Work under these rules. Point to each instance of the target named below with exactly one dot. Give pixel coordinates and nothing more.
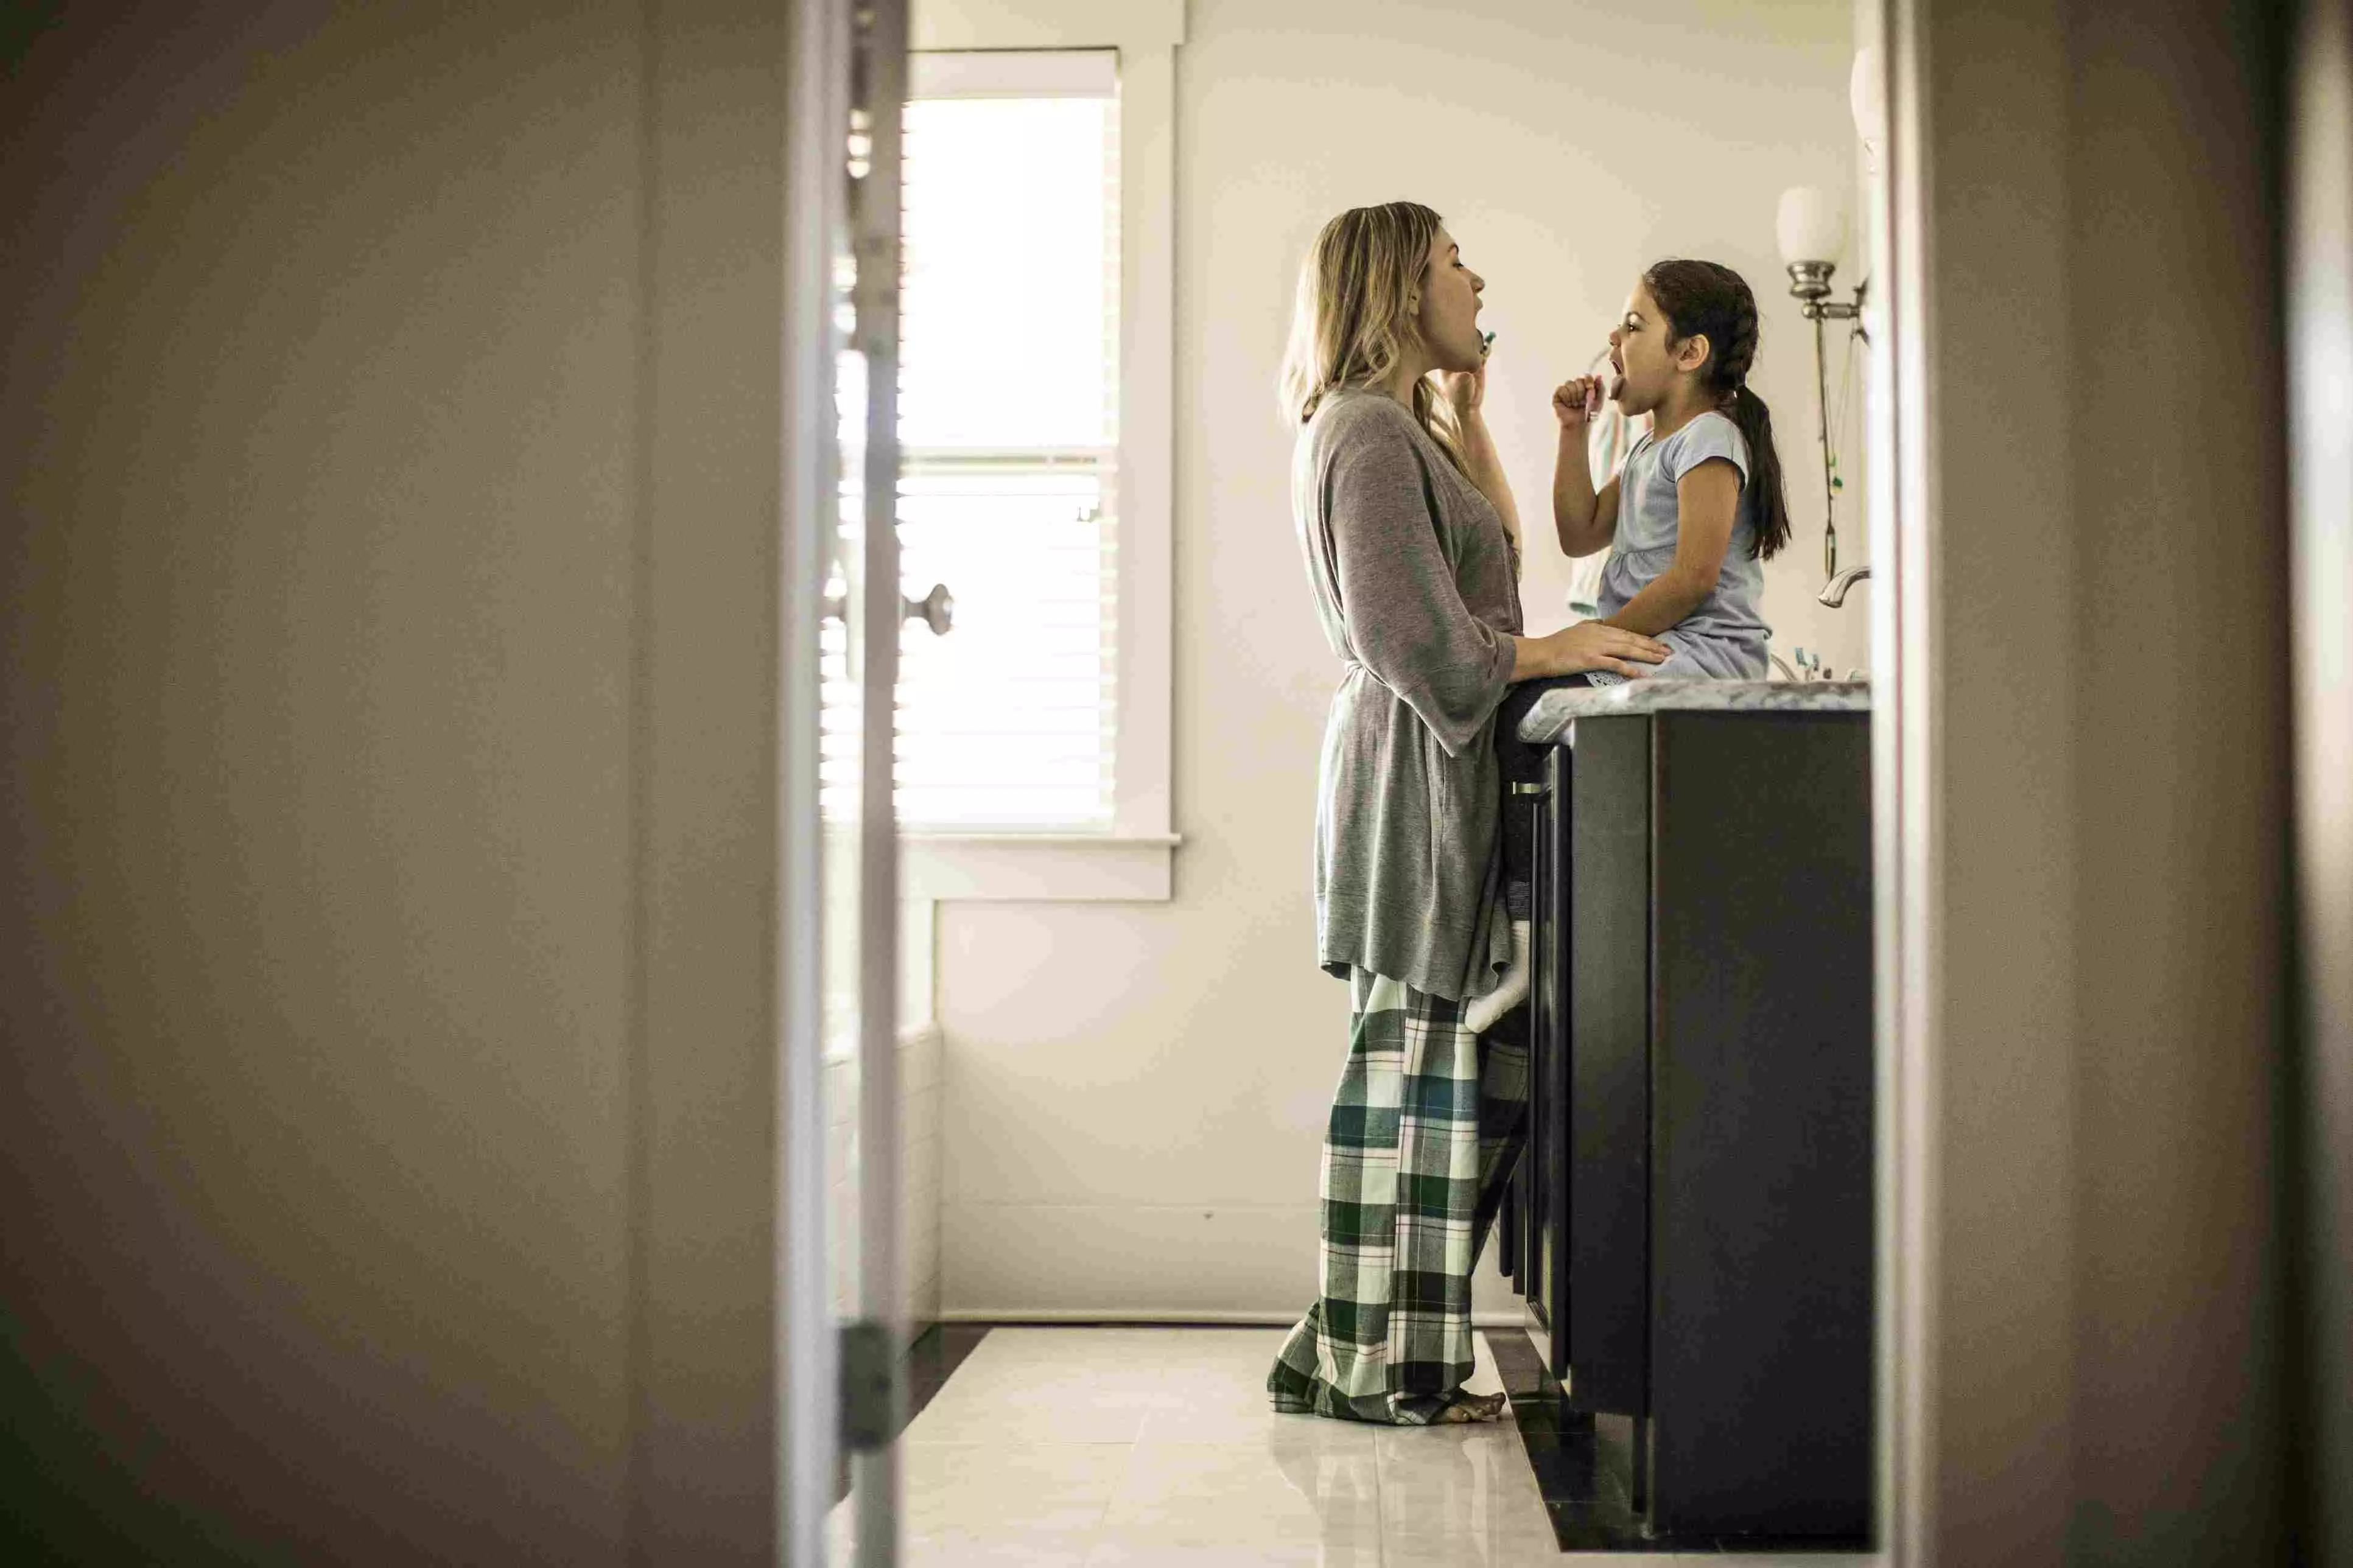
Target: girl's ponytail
(1702, 297)
(1756, 422)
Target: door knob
(936, 609)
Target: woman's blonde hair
(1358, 297)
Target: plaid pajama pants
(1428, 1122)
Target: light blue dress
(1725, 637)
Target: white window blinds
(1009, 428)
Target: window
(1009, 425)
(1036, 425)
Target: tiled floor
(1154, 1447)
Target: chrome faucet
(1834, 591)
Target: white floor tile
(1072, 1346)
(1287, 1492)
(1249, 1344)
(1095, 1386)
(1203, 1415)
(1030, 1491)
(1127, 1363)
(1214, 1391)
(1467, 1551)
(1141, 1447)
(952, 1548)
(1244, 1352)
(1124, 1554)
(1071, 1409)
(1445, 1483)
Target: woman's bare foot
(1474, 1407)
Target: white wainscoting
(919, 1177)
(919, 1139)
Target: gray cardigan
(1416, 583)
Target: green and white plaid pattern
(1424, 1130)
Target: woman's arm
(1468, 395)
(1707, 499)
(1584, 521)
(1405, 619)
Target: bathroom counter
(1555, 711)
(1694, 1225)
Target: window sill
(1054, 867)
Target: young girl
(1696, 510)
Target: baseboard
(1174, 1318)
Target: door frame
(2319, 1081)
(722, 952)
(814, 219)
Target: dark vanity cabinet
(1693, 1218)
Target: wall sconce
(1811, 227)
(1866, 99)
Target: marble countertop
(1555, 711)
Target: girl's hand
(1464, 390)
(1574, 402)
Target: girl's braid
(1740, 347)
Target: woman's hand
(1576, 403)
(1589, 644)
(1465, 389)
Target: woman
(1412, 546)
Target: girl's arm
(1584, 521)
(1707, 502)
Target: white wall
(1134, 1093)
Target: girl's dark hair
(1701, 297)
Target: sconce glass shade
(1811, 225)
(1866, 96)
